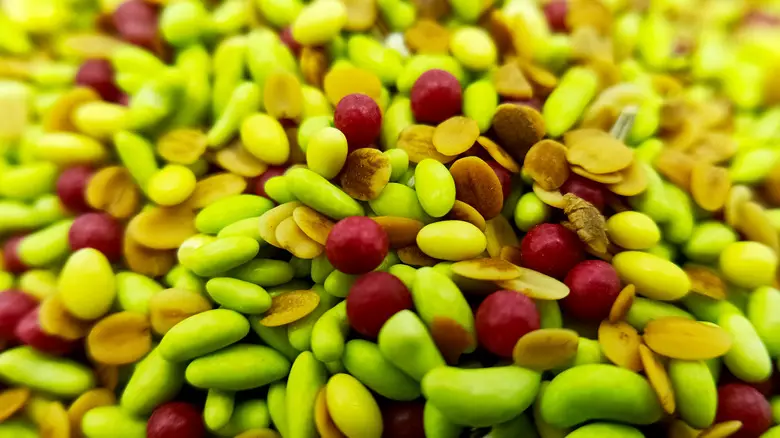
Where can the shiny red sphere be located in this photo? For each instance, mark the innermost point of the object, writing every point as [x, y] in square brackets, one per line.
[14, 306]
[744, 403]
[373, 299]
[551, 249]
[586, 189]
[594, 286]
[176, 420]
[12, 262]
[29, 331]
[137, 22]
[358, 117]
[503, 318]
[99, 231]
[287, 38]
[98, 74]
[436, 96]
[262, 179]
[72, 188]
[555, 11]
[356, 245]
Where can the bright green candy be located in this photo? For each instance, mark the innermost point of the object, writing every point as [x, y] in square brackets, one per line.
[18, 428]
[321, 268]
[473, 47]
[436, 296]
[218, 408]
[318, 193]
[277, 406]
[480, 100]
[238, 367]
[46, 246]
[188, 247]
[311, 126]
[396, 118]
[249, 227]
[565, 105]
[41, 283]
[244, 100]
[134, 291]
[137, 155]
[530, 211]
[329, 332]
[275, 337]
[28, 181]
[451, 240]
[436, 425]
[352, 407]
[327, 152]
[399, 161]
[404, 273]
[112, 422]
[249, 414]
[606, 430]
[299, 333]
[695, 392]
[202, 334]
[708, 309]
[544, 428]
[228, 63]
[549, 314]
[276, 188]
[264, 272]
[222, 255]
[406, 343]
[399, 200]
[171, 185]
[644, 310]
[25, 366]
[748, 264]
[226, 211]
[748, 358]
[364, 360]
[518, 426]
[279, 13]
[763, 311]
[181, 23]
[238, 295]
[319, 22]
[307, 376]
[154, 381]
[87, 285]
[264, 137]
[434, 186]
[679, 226]
[368, 53]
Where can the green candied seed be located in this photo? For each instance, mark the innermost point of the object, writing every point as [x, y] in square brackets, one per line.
[40, 283]
[301, 267]
[171, 185]
[319, 22]
[48, 209]
[196, 95]
[315, 103]
[644, 310]
[753, 166]
[130, 83]
[299, 332]
[202, 334]
[436, 425]
[16, 427]
[774, 217]
[264, 137]
[51, 74]
[238, 295]
[708, 241]
[318, 193]
[261, 56]
[153, 382]
[228, 17]
[391, 259]
[307, 376]
[222, 255]
[695, 393]
[742, 83]
[137, 155]
[679, 228]
[763, 311]
[133, 291]
[264, 272]
[244, 100]
[14, 38]
[384, 99]
[406, 343]
[112, 422]
[15, 215]
[664, 250]
[472, 46]
[182, 278]
[404, 273]
[218, 408]
[772, 432]
[549, 314]
[327, 152]
[530, 211]
[648, 151]
[100, 119]
[748, 359]
[369, 54]
[228, 65]
[606, 430]
[182, 23]
[565, 105]
[337, 50]
[6, 280]
[275, 337]
[311, 126]
[407, 179]
[748, 264]
[708, 309]
[329, 332]
[156, 99]
[399, 161]
[397, 118]
[276, 188]
[46, 246]
[503, 393]
[227, 211]
[335, 367]
[521, 425]
[249, 414]
[714, 365]
[419, 64]
[739, 297]
[434, 186]
[279, 13]
[399, 200]
[321, 268]
[28, 181]
[588, 352]
[646, 121]
[599, 392]
[400, 15]
[435, 295]
[130, 58]
[277, 406]
[228, 369]
[64, 378]
[363, 360]
[655, 40]
[249, 227]
[199, 168]
[480, 100]
[339, 283]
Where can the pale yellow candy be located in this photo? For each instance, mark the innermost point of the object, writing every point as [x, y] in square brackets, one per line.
[264, 137]
[100, 119]
[353, 408]
[633, 230]
[451, 240]
[87, 286]
[326, 152]
[654, 277]
[319, 22]
[171, 185]
[67, 148]
[748, 264]
[474, 48]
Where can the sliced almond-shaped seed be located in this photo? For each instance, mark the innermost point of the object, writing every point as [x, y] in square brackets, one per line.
[490, 269]
[451, 338]
[518, 127]
[163, 228]
[290, 307]
[417, 142]
[120, 338]
[361, 14]
[546, 349]
[342, 81]
[536, 285]
[171, 306]
[147, 261]
[314, 224]
[542, 79]
[681, 338]
[58, 117]
[84, 403]
[400, 231]
[756, 225]
[679, 429]
[182, 146]
[620, 343]
[499, 233]
[293, 239]
[236, 159]
[659, 379]
[282, 95]
[705, 281]
[511, 254]
[412, 255]
[676, 166]
[634, 181]
[427, 36]
[215, 187]
[589, 13]
[721, 430]
[497, 24]
[314, 65]
[113, 190]
[714, 148]
[56, 320]
[575, 136]
[738, 195]
[546, 164]
[606, 178]
[553, 198]
[12, 401]
[710, 186]
[271, 219]
[600, 154]
[455, 135]
[466, 213]
[477, 185]
[55, 424]
[501, 156]
[511, 83]
[622, 304]
[322, 420]
[365, 174]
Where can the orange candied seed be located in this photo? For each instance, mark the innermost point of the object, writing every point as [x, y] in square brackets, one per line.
[271, 219]
[58, 118]
[322, 420]
[511, 83]
[622, 304]
[546, 349]
[417, 142]
[455, 135]
[412, 255]
[710, 186]
[620, 343]
[236, 159]
[341, 81]
[681, 338]
[518, 127]
[451, 338]
[427, 36]
[489, 269]
[171, 306]
[553, 198]
[546, 164]
[182, 146]
[706, 281]
[120, 339]
[147, 261]
[112, 190]
[606, 178]
[293, 239]
[365, 174]
[634, 180]
[510, 254]
[91, 399]
[466, 213]
[658, 377]
[361, 14]
[499, 233]
[314, 224]
[12, 401]
[215, 187]
[477, 185]
[400, 231]
[497, 153]
[282, 96]
[56, 320]
[755, 224]
[290, 307]
[162, 228]
[675, 166]
[600, 154]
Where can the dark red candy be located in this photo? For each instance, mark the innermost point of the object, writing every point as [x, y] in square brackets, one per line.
[136, 22]
[586, 189]
[503, 318]
[99, 231]
[356, 245]
[744, 403]
[555, 11]
[14, 305]
[29, 331]
[12, 262]
[98, 74]
[287, 38]
[551, 249]
[72, 187]
[373, 299]
[436, 96]
[594, 286]
[176, 420]
[262, 179]
[403, 420]
[358, 117]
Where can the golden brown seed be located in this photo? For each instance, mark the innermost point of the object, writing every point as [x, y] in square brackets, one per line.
[510, 254]
[147, 261]
[113, 190]
[361, 14]
[55, 320]
[755, 224]
[55, 423]
[466, 213]
[322, 420]
[455, 135]
[546, 349]
[215, 187]
[432, 9]
[518, 127]
[553, 198]
[511, 83]
[236, 159]
[400, 231]
[721, 430]
[163, 228]
[620, 343]
[107, 375]
[171, 306]
[675, 166]
[57, 118]
[271, 219]
[705, 281]
[314, 224]
[417, 142]
[710, 186]
[499, 233]
[546, 164]
[12, 401]
[289, 307]
[314, 65]
[501, 156]
[282, 95]
[451, 338]
[182, 146]
[490, 269]
[536, 285]
[606, 178]
[622, 304]
[412, 255]
[342, 81]
[600, 153]
[634, 181]
[120, 338]
[427, 36]
[365, 173]
[477, 185]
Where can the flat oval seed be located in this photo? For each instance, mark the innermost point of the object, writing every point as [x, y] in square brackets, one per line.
[282, 96]
[658, 378]
[271, 219]
[315, 225]
[620, 343]
[171, 306]
[490, 269]
[216, 187]
[55, 319]
[113, 190]
[236, 159]
[365, 174]
[546, 349]
[455, 135]
[622, 304]
[290, 307]
[400, 231]
[120, 339]
[294, 240]
[681, 338]
[464, 212]
[11, 401]
[477, 185]
[91, 399]
[536, 285]
[322, 420]
[162, 228]
[182, 146]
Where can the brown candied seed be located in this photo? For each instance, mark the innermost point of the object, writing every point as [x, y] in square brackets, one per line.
[710, 186]
[589, 45]
[488, 269]
[581, 135]
[600, 153]
[451, 338]
[605, 178]
[314, 224]
[620, 343]
[686, 136]
[497, 25]
[706, 281]
[58, 117]
[464, 212]
[622, 304]
[235, 158]
[546, 164]
[162, 228]
[714, 148]
[455, 135]
[634, 181]
[477, 185]
[675, 166]
[432, 9]
[365, 173]
[147, 261]
[314, 65]
[400, 231]
[427, 36]
[756, 225]
[412, 255]
[113, 191]
[588, 222]
[511, 83]
[171, 306]
[120, 339]
[497, 153]
[589, 13]
[293, 239]
[510, 254]
[12, 401]
[182, 146]
[518, 127]
[361, 14]
[417, 142]
[290, 307]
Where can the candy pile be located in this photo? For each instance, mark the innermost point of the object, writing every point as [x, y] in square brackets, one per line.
[390, 218]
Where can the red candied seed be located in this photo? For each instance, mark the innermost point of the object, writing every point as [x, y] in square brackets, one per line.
[403, 419]
[99, 231]
[586, 189]
[262, 179]
[98, 74]
[594, 286]
[373, 299]
[176, 420]
[436, 96]
[551, 249]
[555, 11]
[358, 117]
[72, 187]
[287, 38]
[356, 245]
[29, 331]
[136, 22]
[503, 318]
[14, 305]
[504, 177]
[13, 263]
[744, 403]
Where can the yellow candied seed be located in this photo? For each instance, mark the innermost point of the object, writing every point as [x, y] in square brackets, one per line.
[171, 185]
[327, 152]
[319, 22]
[633, 230]
[748, 264]
[65, 148]
[451, 240]
[215, 187]
[282, 96]
[341, 81]
[653, 277]
[87, 286]
[120, 339]
[264, 137]
[474, 48]
[99, 119]
[238, 160]
[352, 407]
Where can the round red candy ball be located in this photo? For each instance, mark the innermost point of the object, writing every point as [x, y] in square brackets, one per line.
[176, 420]
[72, 187]
[136, 22]
[436, 96]
[551, 249]
[99, 231]
[555, 11]
[98, 74]
[14, 306]
[356, 245]
[373, 299]
[586, 189]
[744, 403]
[503, 318]
[262, 179]
[403, 419]
[12, 262]
[287, 38]
[358, 117]
[594, 286]
[29, 331]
